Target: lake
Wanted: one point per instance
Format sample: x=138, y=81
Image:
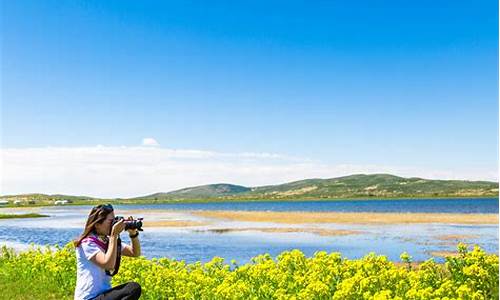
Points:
x=201, y=243
x=467, y=206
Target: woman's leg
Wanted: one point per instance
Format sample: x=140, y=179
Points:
x=126, y=291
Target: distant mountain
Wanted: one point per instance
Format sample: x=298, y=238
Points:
x=376, y=186
x=353, y=186
x=44, y=197
x=360, y=186
x=203, y=191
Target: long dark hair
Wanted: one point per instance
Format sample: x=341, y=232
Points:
x=96, y=216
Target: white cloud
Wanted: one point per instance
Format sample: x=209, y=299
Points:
x=135, y=171
x=150, y=142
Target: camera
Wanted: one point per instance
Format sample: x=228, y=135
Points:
x=130, y=224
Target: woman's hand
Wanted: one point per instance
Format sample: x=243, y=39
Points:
x=118, y=228
x=107, y=260
x=131, y=231
x=133, y=250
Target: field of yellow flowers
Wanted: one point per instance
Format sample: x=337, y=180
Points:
x=50, y=273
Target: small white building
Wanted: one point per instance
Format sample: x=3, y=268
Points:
x=61, y=202
x=4, y=202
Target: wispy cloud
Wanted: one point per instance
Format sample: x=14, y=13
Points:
x=150, y=142
x=104, y=171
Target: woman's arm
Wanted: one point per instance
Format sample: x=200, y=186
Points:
x=135, y=249
x=107, y=260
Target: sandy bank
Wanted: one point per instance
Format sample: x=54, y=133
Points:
x=457, y=237
x=318, y=231
x=348, y=218
x=173, y=223
x=443, y=253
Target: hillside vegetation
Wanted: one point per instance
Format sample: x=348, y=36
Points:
x=354, y=186
x=375, y=186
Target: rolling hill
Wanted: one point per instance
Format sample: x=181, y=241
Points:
x=360, y=186
x=353, y=186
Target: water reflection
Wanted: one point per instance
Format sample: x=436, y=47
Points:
x=201, y=243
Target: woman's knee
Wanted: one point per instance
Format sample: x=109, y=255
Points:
x=134, y=288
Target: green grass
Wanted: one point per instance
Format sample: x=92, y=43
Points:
x=22, y=216
x=31, y=290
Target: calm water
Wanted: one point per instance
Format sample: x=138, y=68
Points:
x=467, y=206
x=201, y=244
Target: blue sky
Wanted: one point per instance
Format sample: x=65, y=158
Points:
x=386, y=83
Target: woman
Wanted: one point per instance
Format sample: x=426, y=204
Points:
x=96, y=253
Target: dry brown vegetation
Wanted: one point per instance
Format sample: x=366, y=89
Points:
x=173, y=223
x=457, y=237
x=318, y=231
x=349, y=218
x=443, y=253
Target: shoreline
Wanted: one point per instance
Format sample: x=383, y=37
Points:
x=238, y=200
x=316, y=231
x=21, y=216
x=349, y=218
